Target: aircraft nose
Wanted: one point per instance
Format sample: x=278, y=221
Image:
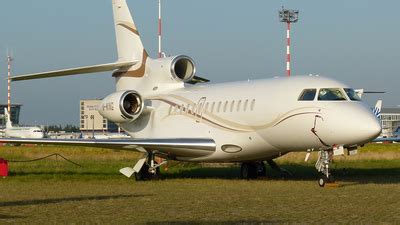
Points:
x=357, y=126
x=371, y=127
x=367, y=126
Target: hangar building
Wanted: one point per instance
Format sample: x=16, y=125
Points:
x=91, y=120
x=390, y=119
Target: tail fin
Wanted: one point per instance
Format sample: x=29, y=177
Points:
x=7, y=118
x=129, y=44
x=377, y=109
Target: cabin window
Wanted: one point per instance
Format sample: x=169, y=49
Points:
x=219, y=106
x=307, y=95
x=182, y=109
x=352, y=94
x=188, y=109
x=212, y=107
x=225, y=106
x=253, y=102
x=232, y=105
x=238, y=105
x=245, y=105
x=331, y=94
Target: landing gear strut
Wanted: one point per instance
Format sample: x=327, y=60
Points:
x=252, y=170
x=150, y=169
x=148, y=173
x=145, y=169
x=322, y=165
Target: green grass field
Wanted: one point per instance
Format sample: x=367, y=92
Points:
x=55, y=191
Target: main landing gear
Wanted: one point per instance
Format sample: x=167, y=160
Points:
x=252, y=170
x=145, y=169
x=322, y=165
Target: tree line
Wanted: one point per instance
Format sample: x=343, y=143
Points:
x=57, y=128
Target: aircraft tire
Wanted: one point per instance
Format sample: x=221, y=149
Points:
x=261, y=170
x=248, y=171
x=322, y=181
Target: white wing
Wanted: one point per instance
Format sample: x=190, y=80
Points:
x=75, y=71
x=174, y=147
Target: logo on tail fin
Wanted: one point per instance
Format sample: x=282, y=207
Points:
x=377, y=109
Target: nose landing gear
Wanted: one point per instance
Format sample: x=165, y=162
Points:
x=322, y=165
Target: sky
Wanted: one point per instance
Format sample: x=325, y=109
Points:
x=356, y=42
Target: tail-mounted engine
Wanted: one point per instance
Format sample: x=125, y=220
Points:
x=180, y=68
x=122, y=106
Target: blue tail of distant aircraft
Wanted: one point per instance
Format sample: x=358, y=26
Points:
x=377, y=109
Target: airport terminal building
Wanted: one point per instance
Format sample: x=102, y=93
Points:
x=15, y=112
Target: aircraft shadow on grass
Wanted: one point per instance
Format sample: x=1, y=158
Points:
x=243, y=222
x=62, y=200
x=299, y=172
x=9, y=217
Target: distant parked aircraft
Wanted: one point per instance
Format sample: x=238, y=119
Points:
x=20, y=132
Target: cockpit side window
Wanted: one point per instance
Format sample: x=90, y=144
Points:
x=331, y=94
x=352, y=94
x=307, y=95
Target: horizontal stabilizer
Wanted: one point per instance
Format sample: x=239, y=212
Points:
x=75, y=71
x=197, y=79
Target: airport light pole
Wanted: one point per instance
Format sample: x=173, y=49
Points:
x=9, y=60
x=159, y=29
x=288, y=16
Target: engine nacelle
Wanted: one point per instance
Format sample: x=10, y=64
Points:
x=122, y=106
x=180, y=68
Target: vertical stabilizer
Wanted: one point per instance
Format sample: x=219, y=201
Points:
x=7, y=119
x=129, y=44
x=377, y=109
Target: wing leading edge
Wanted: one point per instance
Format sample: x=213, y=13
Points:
x=175, y=147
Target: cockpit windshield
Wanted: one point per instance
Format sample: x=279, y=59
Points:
x=331, y=94
x=352, y=94
x=307, y=95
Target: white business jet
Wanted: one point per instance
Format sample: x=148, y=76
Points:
x=247, y=122
x=20, y=132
